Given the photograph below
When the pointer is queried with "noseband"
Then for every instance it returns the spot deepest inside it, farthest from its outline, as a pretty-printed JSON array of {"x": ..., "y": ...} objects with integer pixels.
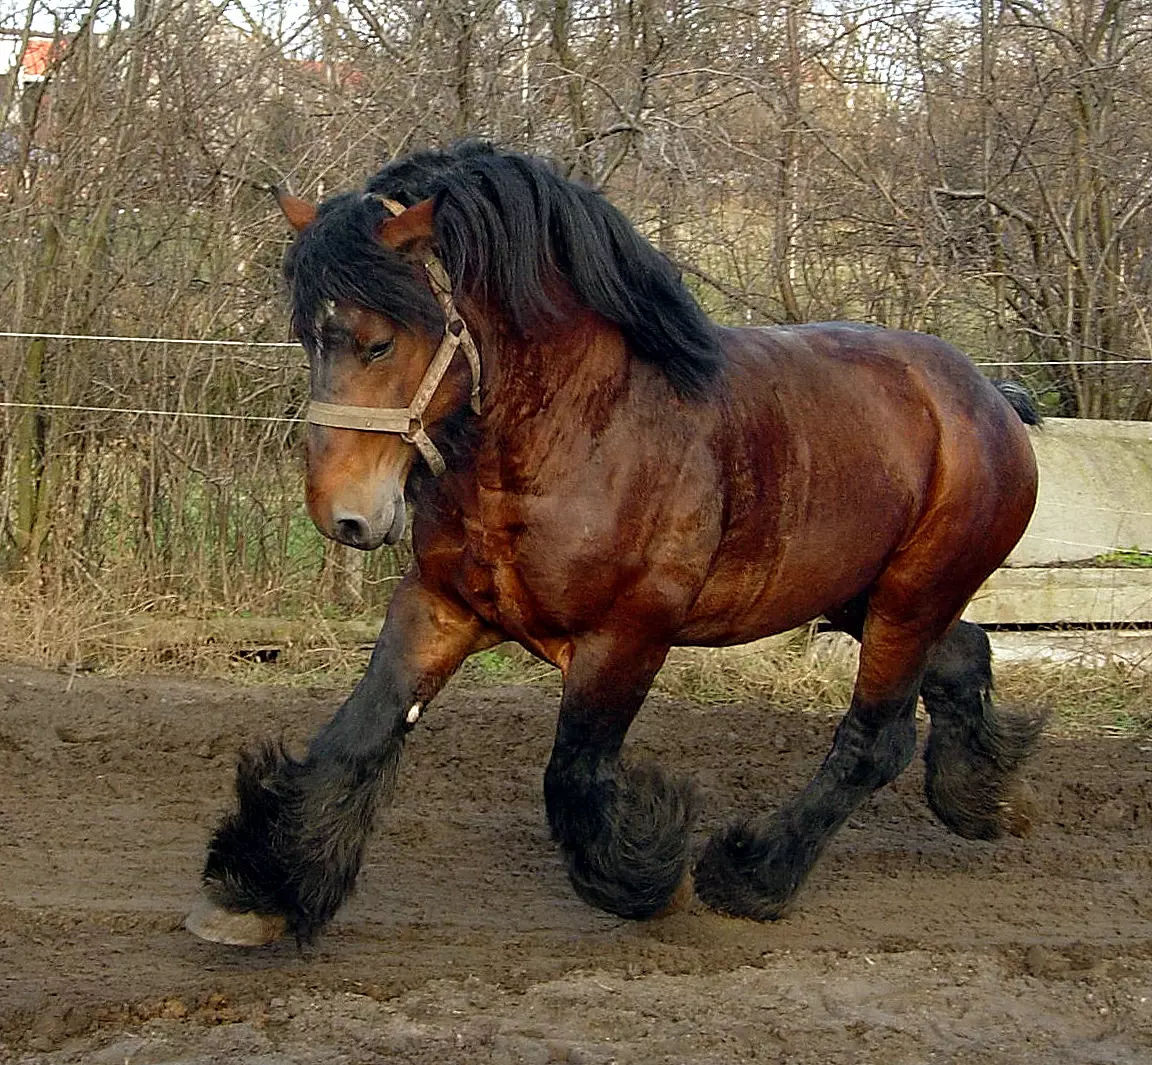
[{"x": 408, "y": 421}]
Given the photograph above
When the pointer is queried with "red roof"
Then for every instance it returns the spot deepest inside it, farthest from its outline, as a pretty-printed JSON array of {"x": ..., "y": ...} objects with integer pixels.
[{"x": 38, "y": 57}]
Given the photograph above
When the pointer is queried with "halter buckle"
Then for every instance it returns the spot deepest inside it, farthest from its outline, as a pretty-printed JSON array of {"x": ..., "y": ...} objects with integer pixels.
[{"x": 415, "y": 425}]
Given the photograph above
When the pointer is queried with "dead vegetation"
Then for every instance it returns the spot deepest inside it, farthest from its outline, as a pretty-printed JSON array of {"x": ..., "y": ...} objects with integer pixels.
[{"x": 113, "y": 634}]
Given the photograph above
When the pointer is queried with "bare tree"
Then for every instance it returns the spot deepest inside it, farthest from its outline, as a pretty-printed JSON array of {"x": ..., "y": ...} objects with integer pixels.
[{"x": 981, "y": 171}]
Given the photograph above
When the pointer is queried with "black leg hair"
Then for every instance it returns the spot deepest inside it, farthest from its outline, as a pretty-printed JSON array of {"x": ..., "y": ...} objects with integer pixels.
[
  {"x": 974, "y": 751},
  {"x": 293, "y": 845},
  {"x": 295, "y": 840},
  {"x": 755, "y": 867},
  {"x": 623, "y": 828}
]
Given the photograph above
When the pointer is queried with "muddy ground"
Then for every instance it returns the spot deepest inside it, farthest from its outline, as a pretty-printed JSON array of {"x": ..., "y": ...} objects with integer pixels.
[{"x": 465, "y": 945}]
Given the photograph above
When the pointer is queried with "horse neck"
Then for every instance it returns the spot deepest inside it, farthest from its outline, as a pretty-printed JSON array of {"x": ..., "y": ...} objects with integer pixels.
[{"x": 566, "y": 367}]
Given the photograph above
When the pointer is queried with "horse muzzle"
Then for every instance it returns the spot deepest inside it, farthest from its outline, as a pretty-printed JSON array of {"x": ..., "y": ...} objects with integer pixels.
[
  {"x": 365, "y": 526},
  {"x": 367, "y": 534}
]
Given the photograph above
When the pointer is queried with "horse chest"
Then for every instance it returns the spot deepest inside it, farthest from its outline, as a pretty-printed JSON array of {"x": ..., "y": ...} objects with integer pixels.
[
  {"x": 525, "y": 572},
  {"x": 488, "y": 573}
]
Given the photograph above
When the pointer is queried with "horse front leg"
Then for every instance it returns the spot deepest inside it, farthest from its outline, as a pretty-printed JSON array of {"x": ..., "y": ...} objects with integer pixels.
[
  {"x": 287, "y": 856},
  {"x": 756, "y": 866},
  {"x": 623, "y": 827}
]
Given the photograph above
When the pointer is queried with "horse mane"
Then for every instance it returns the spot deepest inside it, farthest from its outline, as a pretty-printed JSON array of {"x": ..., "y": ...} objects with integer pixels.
[
  {"x": 511, "y": 231},
  {"x": 415, "y": 177},
  {"x": 339, "y": 258},
  {"x": 508, "y": 225}
]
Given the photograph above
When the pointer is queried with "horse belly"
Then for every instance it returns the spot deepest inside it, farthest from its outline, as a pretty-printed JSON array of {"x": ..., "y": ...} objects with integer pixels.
[
  {"x": 737, "y": 610},
  {"x": 759, "y": 585}
]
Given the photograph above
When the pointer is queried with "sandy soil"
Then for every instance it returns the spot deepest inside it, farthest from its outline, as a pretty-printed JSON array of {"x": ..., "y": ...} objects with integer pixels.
[{"x": 465, "y": 945}]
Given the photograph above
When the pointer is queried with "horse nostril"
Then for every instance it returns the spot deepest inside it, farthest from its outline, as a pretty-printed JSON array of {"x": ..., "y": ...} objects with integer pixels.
[{"x": 352, "y": 530}]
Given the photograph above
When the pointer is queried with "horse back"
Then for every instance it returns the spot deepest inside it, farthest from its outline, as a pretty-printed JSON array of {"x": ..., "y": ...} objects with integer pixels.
[{"x": 842, "y": 446}]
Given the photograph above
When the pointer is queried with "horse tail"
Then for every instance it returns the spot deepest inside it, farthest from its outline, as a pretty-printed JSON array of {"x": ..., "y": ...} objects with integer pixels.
[{"x": 1021, "y": 401}]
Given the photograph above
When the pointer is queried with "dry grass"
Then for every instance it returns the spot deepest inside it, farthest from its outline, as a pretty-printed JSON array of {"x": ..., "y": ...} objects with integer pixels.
[
  {"x": 1094, "y": 692},
  {"x": 796, "y": 669},
  {"x": 123, "y": 633},
  {"x": 1113, "y": 699},
  {"x": 118, "y": 632}
]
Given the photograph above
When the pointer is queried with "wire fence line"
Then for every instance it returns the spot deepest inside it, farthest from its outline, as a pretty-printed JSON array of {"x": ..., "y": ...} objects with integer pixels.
[
  {"x": 1068, "y": 362},
  {"x": 158, "y": 411},
  {"x": 289, "y": 420},
  {"x": 150, "y": 340},
  {"x": 1020, "y": 365}
]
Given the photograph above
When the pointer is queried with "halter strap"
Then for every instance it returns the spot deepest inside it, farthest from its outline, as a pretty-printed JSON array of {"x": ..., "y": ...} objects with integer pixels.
[{"x": 408, "y": 421}]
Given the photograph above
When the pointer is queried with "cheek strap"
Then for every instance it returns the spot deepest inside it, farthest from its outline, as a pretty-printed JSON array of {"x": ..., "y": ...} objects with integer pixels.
[{"x": 408, "y": 421}]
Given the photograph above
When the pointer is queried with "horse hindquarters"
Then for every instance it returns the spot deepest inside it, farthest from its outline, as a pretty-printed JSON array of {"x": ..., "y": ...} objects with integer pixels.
[{"x": 983, "y": 492}]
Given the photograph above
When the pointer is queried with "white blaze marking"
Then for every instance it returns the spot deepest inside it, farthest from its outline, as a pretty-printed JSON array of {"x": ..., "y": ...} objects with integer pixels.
[{"x": 326, "y": 313}]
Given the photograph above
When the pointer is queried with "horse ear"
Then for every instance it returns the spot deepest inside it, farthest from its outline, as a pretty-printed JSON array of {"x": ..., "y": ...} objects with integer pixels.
[
  {"x": 300, "y": 213},
  {"x": 407, "y": 228}
]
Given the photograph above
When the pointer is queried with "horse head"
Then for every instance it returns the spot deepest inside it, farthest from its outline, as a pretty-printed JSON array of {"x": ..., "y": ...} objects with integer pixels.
[
  {"x": 372, "y": 307},
  {"x": 563, "y": 286}
]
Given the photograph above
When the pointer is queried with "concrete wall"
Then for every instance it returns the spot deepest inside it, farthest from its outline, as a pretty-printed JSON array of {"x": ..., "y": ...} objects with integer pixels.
[
  {"x": 1095, "y": 491},
  {"x": 1095, "y": 496},
  {"x": 1063, "y": 596}
]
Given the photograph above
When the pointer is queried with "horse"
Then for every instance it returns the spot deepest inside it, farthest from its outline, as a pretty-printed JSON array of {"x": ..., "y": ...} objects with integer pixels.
[{"x": 599, "y": 472}]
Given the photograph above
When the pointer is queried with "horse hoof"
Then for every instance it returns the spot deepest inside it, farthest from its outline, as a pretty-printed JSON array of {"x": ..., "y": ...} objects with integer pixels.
[
  {"x": 990, "y": 818},
  {"x": 1018, "y": 810},
  {"x": 218, "y": 925},
  {"x": 681, "y": 898},
  {"x": 735, "y": 878}
]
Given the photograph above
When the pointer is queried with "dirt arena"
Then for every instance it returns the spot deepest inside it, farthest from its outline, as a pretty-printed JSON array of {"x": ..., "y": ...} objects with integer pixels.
[{"x": 465, "y": 945}]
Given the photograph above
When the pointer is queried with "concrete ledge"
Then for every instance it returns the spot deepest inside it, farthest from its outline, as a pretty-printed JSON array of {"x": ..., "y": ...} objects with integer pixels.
[
  {"x": 1095, "y": 491},
  {"x": 1060, "y": 595}
]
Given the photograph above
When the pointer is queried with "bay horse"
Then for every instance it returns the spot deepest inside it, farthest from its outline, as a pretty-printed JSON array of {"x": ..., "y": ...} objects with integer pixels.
[{"x": 599, "y": 473}]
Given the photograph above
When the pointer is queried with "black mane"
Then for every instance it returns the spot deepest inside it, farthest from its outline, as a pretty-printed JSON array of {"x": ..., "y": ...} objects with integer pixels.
[
  {"x": 339, "y": 258},
  {"x": 507, "y": 227}
]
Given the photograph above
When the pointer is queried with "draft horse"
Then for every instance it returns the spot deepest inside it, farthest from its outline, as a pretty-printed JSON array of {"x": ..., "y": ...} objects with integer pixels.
[{"x": 599, "y": 472}]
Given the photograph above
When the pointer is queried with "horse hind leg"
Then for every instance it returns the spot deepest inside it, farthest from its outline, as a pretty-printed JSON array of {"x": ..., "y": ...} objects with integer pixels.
[
  {"x": 974, "y": 750},
  {"x": 755, "y": 867}
]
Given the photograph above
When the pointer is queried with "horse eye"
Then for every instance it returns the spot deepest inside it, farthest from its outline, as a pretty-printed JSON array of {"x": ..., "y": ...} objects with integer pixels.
[{"x": 381, "y": 350}]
